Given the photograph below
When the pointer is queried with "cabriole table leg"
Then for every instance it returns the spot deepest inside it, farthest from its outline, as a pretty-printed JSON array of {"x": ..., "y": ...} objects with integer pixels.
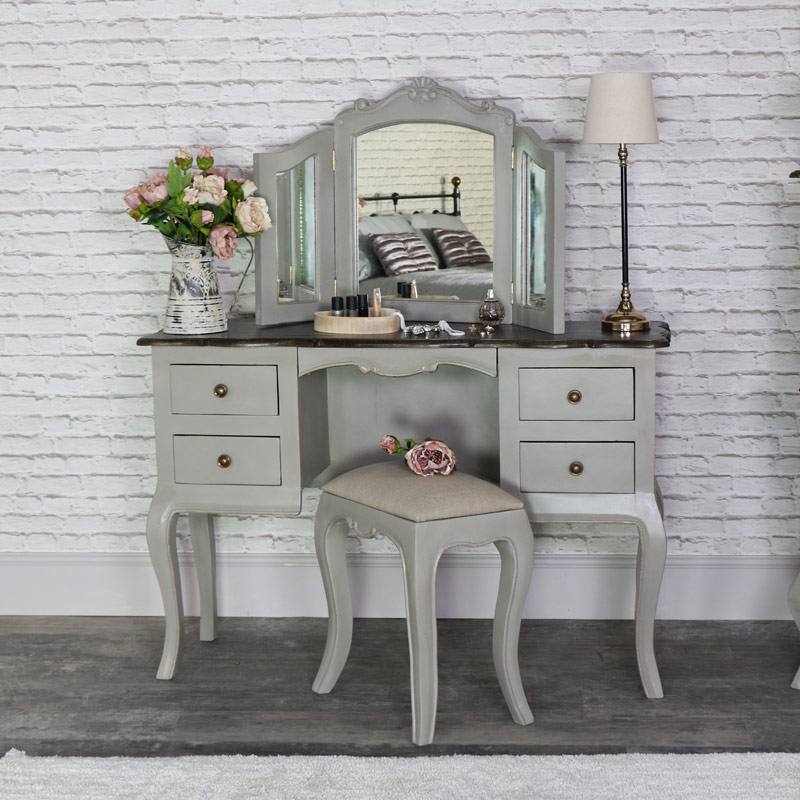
[{"x": 161, "y": 524}]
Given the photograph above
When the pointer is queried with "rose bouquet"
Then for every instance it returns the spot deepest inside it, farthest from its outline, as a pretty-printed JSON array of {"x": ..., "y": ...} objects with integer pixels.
[
  {"x": 431, "y": 457},
  {"x": 204, "y": 208}
]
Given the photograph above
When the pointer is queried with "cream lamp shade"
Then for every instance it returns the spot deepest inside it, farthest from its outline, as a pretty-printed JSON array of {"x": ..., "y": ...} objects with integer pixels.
[{"x": 620, "y": 109}]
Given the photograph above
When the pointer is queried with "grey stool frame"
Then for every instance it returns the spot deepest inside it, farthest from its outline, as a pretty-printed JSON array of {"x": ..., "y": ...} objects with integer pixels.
[
  {"x": 794, "y": 607},
  {"x": 421, "y": 545}
]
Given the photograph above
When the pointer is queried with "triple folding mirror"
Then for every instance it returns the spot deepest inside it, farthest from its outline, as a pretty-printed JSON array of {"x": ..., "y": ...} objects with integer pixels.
[{"x": 422, "y": 193}]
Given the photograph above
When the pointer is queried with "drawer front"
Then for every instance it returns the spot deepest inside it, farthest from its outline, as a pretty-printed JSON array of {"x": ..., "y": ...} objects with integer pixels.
[
  {"x": 576, "y": 394},
  {"x": 582, "y": 467},
  {"x": 224, "y": 389},
  {"x": 235, "y": 460}
]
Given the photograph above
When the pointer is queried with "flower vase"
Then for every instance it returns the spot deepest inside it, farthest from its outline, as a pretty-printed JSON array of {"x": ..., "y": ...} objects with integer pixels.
[{"x": 194, "y": 305}]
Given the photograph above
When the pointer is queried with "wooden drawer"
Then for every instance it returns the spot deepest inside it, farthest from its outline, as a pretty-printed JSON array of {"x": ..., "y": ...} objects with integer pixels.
[
  {"x": 576, "y": 394},
  {"x": 601, "y": 467},
  {"x": 224, "y": 389},
  {"x": 254, "y": 460}
]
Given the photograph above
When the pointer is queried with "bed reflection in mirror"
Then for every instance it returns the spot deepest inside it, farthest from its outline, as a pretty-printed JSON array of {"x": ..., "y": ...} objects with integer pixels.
[
  {"x": 294, "y": 218},
  {"x": 425, "y": 211}
]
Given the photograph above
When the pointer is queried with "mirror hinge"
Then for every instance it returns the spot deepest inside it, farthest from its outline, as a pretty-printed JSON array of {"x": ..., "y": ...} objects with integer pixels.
[
  {"x": 333, "y": 156},
  {"x": 513, "y": 153},
  {"x": 512, "y": 293}
]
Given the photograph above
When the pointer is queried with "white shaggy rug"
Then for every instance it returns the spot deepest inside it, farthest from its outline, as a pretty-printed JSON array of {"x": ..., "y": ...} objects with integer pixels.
[{"x": 727, "y": 776}]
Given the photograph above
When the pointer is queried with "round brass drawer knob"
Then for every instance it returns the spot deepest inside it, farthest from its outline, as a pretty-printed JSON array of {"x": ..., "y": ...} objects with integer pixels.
[
  {"x": 220, "y": 390},
  {"x": 224, "y": 461},
  {"x": 574, "y": 396},
  {"x": 576, "y": 468}
]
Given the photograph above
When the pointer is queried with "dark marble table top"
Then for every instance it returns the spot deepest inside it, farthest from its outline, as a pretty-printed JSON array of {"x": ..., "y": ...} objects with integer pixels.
[{"x": 244, "y": 332}]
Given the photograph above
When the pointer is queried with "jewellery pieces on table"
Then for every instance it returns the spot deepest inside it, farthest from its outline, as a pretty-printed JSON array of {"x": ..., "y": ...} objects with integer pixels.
[{"x": 427, "y": 329}]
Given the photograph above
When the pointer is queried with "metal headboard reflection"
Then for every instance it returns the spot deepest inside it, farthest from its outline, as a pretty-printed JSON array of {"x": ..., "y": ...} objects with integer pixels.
[{"x": 395, "y": 197}]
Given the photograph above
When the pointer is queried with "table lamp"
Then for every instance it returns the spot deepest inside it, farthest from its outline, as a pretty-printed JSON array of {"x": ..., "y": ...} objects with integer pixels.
[{"x": 620, "y": 110}]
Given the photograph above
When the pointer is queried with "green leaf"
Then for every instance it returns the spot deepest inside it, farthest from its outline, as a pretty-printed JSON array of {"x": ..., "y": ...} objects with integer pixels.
[
  {"x": 221, "y": 213},
  {"x": 235, "y": 190},
  {"x": 410, "y": 443},
  {"x": 165, "y": 226},
  {"x": 175, "y": 183},
  {"x": 176, "y": 208},
  {"x": 184, "y": 232}
]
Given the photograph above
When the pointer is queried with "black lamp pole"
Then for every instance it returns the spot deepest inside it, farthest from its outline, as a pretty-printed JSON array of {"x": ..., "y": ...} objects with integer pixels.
[{"x": 626, "y": 319}]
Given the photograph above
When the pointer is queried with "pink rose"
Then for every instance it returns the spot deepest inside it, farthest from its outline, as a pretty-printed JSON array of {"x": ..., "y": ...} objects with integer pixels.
[
  {"x": 222, "y": 172},
  {"x": 133, "y": 198},
  {"x": 154, "y": 190},
  {"x": 202, "y": 217},
  {"x": 205, "y": 157},
  {"x": 391, "y": 445},
  {"x": 223, "y": 241},
  {"x": 249, "y": 188},
  {"x": 431, "y": 457},
  {"x": 252, "y": 215},
  {"x": 210, "y": 189}
]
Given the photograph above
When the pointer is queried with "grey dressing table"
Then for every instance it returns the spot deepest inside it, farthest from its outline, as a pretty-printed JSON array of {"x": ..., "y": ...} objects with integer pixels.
[
  {"x": 245, "y": 419},
  {"x": 561, "y": 415}
]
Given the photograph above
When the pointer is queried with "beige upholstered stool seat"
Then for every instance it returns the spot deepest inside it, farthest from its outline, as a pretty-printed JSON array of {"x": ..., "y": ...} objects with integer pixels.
[
  {"x": 424, "y": 516},
  {"x": 392, "y": 487}
]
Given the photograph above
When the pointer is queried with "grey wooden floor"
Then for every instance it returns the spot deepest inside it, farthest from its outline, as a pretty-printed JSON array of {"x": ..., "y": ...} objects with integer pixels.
[{"x": 86, "y": 686}]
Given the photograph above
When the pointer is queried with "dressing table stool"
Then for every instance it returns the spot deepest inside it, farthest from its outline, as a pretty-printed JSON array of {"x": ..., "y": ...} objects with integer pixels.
[{"x": 424, "y": 516}]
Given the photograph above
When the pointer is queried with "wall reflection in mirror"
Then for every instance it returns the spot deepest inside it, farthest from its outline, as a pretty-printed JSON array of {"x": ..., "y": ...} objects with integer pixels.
[
  {"x": 425, "y": 211},
  {"x": 294, "y": 212},
  {"x": 533, "y": 239}
]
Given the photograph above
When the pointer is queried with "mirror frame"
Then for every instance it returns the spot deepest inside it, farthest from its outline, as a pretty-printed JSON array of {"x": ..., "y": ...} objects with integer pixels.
[
  {"x": 550, "y": 316},
  {"x": 269, "y": 311},
  {"x": 423, "y": 100}
]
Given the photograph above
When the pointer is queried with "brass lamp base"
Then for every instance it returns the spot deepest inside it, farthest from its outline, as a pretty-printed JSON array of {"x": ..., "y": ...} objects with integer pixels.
[{"x": 626, "y": 319}]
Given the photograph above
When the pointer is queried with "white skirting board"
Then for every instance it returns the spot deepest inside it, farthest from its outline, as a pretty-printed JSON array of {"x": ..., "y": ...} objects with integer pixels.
[{"x": 280, "y": 585}]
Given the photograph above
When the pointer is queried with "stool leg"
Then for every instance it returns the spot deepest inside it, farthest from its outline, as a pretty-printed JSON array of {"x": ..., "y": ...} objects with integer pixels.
[
  {"x": 419, "y": 571},
  {"x": 331, "y": 542},
  {"x": 201, "y": 527},
  {"x": 516, "y": 568},
  {"x": 794, "y": 607}
]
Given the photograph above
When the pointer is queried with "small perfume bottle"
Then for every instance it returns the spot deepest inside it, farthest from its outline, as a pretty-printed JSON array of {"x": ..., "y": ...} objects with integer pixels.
[
  {"x": 491, "y": 312},
  {"x": 377, "y": 305}
]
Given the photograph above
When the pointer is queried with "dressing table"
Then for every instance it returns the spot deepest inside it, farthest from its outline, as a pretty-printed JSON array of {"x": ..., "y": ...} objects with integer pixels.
[{"x": 561, "y": 415}]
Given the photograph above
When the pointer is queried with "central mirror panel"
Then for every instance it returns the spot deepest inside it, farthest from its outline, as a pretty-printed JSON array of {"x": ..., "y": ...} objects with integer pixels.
[{"x": 424, "y": 200}]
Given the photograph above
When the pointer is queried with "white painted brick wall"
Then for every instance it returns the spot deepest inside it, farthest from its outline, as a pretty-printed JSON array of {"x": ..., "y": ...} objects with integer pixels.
[{"x": 96, "y": 95}]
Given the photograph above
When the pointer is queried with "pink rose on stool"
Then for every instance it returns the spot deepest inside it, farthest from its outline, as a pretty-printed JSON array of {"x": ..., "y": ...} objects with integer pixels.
[
  {"x": 391, "y": 445},
  {"x": 431, "y": 457}
]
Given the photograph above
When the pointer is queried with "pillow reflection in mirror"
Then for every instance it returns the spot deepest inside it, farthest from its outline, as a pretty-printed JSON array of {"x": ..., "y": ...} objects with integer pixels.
[
  {"x": 402, "y": 252},
  {"x": 460, "y": 248},
  {"x": 425, "y": 223},
  {"x": 368, "y": 264}
]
